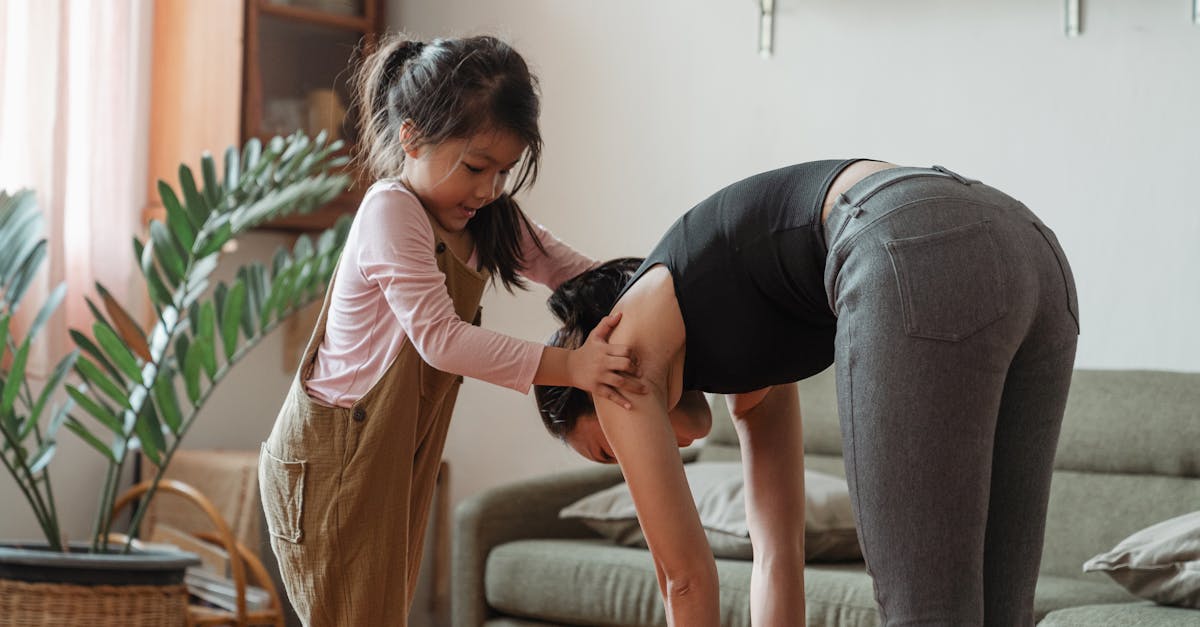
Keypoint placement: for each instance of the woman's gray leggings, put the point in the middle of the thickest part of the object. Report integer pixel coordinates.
(956, 333)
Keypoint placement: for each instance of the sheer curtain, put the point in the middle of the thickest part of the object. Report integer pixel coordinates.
(74, 91)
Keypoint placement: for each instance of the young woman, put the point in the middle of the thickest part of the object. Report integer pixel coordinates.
(348, 471)
(950, 311)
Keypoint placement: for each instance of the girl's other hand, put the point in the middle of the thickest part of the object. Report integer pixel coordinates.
(603, 369)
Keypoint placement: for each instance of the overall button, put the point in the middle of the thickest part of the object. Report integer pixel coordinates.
(440, 248)
(359, 414)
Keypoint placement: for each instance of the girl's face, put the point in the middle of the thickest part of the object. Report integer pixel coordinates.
(457, 177)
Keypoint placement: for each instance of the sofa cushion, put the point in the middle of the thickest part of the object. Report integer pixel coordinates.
(717, 488)
(1054, 593)
(593, 582)
(1108, 411)
(1122, 615)
(1160, 563)
(543, 579)
(1092, 512)
(839, 594)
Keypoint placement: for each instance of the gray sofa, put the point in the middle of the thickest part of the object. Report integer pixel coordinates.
(1129, 456)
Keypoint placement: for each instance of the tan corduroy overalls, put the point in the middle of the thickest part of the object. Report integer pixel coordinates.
(347, 491)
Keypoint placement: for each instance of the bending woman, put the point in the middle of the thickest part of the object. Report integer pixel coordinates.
(951, 313)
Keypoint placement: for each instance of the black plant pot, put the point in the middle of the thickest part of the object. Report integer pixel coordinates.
(36, 563)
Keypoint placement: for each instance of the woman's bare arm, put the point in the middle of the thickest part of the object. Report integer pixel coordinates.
(772, 443)
(645, 445)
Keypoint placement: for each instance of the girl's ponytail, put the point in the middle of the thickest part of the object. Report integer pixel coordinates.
(375, 85)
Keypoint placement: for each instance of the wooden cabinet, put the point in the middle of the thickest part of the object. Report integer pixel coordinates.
(224, 71)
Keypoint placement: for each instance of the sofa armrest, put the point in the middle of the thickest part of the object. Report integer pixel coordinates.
(523, 510)
(526, 509)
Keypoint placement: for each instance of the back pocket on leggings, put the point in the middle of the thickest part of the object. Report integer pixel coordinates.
(282, 485)
(951, 284)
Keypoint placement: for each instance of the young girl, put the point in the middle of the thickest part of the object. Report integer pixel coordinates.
(348, 471)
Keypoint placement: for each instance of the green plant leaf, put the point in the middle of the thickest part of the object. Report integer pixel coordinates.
(182, 345)
(117, 351)
(16, 376)
(251, 154)
(191, 372)
(219, 295)
(83, 342)
(159, 294)
(178, 218)
(20, 223)
(168, 253)
(206, 348)
(78, 429)
(99, 411)
(149, 433)
(232, 169)
(253, 298)
(196, 204)
(10, 426)
(206, 322)
(221, 234)
(52, 302)
(212, 189)
(280, 261)
(4, 321)
(24, 275)
(233, 317)
(42, 457)
(278, 287)
(167, 401)
(60, 414)
(60, 372)
(92, 374)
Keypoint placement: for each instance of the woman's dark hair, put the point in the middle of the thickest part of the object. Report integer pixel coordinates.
(579, 304)
(454, 89)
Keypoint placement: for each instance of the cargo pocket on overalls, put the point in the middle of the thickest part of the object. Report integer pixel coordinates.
(1068, 277)
(283, 495)
(950, 282)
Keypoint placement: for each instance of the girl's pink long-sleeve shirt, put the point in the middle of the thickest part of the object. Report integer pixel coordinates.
(388, 289)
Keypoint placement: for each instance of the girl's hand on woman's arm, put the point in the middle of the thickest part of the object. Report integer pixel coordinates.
(608, 371)
(605, 370)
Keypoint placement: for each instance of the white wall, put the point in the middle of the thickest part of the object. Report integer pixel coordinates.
(650, 106)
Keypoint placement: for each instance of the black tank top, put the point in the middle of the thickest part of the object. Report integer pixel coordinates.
(748, 264)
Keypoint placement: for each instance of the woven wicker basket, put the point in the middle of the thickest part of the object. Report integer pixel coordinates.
(24, 604)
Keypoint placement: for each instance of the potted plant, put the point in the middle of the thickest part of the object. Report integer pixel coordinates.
(131, 389)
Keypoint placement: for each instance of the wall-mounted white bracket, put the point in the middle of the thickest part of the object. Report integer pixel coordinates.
(1072, 21)
(766, 28)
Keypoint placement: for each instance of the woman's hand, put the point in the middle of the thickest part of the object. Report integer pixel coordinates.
(603, 369)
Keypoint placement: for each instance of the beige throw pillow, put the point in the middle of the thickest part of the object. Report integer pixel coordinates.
(717, 488)
(1160, 562)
